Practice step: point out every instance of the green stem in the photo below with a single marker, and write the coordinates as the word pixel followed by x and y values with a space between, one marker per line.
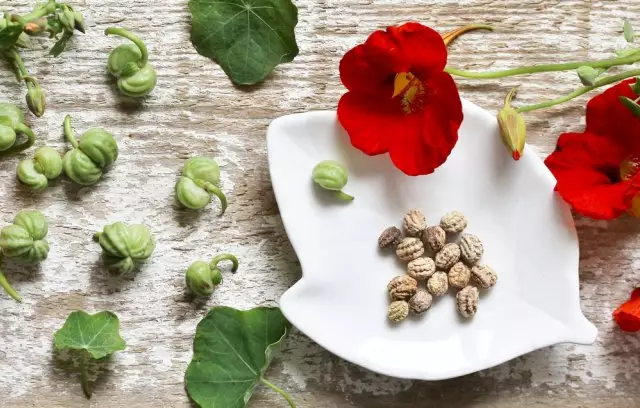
pixel 134 38
pixel 581 91
pixel 84 374
pixel 279 390
pixel 4 283
pixel 225 257
pixel 18 65
pixel 47 9
pixel 68 132
pixel 344 196
pixel 607 63
pixel 215 190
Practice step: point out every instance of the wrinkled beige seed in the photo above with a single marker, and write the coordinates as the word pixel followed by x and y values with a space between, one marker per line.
pixel 448 256
pixel 409 249
pixel 421 268
pixel 398 310
pixel 414 223
pixel 471 248
pixel 402 287
pixel 484 275
pixel 453 222
pixel 459 275
pixel 434 238
pixel 467 301
pixel 438 284
pixel 420 302
pixel 390 237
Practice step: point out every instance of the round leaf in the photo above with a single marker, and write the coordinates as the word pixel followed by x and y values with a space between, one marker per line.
pixel 98 334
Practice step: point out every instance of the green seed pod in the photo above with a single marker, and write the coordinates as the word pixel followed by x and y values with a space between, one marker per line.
pixel 199 182
pixel 331 175
pixel 46 165
pixel 12 124
pixel 24 240
pixel 202 278
pixel 124 245
pixel 96 150
pixel 130 64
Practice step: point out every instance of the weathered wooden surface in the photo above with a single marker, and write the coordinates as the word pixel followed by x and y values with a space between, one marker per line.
pixel 195 109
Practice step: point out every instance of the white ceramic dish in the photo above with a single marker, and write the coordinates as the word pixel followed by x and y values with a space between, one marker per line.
pixel 341 300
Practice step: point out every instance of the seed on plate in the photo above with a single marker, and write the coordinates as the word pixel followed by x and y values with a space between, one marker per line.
pixel 420 302
pixel 448 256
pixel 421 268
pixel 414 223
pixel 467 301
pixel 459 275
pixel 471 248
pixel 390 237
pixel 402 287
pixel 484 275
pixel 453 222
pixel 438 284
pixel 409 249
pixel 398 310
pixel 434 238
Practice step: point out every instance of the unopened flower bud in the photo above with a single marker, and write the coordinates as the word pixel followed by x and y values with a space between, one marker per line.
pixel 35 97
pixel 67 18
pixel 79 21
pixel 589 75
pixel 513 129
pixel 35 27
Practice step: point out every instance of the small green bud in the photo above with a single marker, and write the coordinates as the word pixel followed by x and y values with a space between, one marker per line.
pixel 35 97
pixel 331 175
pixel 36 27
pixel 629 35
pixel 129 63
pixel 7 137
pixel 46 165
pixel 513 128
pixel 589 75
pixel 125 245
pixel 96 150
pixel 67 18
pixel 199 182
pixel 202 278
pixel 24 240
pixel 78 19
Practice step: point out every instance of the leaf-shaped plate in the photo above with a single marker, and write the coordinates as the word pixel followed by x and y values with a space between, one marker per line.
pixel 341 300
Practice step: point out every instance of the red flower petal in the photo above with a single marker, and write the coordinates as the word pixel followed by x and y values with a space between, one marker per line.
pixel 417 153
pixel 359 75
pixel 628 314
pixel 606 115
pixel 421 48
pixel 585 166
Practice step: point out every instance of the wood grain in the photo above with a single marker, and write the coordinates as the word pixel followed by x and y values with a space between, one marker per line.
pixel 195 109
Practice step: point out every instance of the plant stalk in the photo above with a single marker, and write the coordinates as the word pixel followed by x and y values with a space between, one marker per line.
pixel 4 283
pixel 534 69
pixel 581 91
pixel 452 35
pixel 134 38
pixel 84 374
pixel 68 132
pixel 279 390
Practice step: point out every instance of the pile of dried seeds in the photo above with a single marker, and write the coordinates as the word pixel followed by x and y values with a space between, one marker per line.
pixel 454 264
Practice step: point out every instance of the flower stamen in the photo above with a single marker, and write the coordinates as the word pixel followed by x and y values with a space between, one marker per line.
pixel 410 90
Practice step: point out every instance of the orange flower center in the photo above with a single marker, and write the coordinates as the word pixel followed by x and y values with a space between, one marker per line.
pixel 628 169
pixel 410 91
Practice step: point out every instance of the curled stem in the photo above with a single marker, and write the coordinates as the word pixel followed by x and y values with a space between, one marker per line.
pixel 224 257
pixel 215 190
pixel 39 12
pixel 606 63
pixel 84 374
pixel 452 35
pixel 68 132
pixel 581 91
pixel 134 38
pixel 17 148
pixel 4 283
pixel 280 391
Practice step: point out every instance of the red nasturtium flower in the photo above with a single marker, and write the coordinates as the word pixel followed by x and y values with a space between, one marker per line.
pixel 628 314
pixel 598 170
pixel 400 100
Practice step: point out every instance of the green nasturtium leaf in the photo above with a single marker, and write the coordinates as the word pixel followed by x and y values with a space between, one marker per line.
pixel 95 335
pixel 231 351
pixel 248 38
